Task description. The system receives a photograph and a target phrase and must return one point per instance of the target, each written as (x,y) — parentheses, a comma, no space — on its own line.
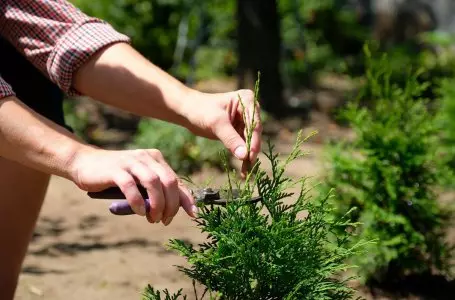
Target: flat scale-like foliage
(281,248)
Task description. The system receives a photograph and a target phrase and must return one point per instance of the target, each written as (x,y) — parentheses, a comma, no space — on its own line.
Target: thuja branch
(250,124)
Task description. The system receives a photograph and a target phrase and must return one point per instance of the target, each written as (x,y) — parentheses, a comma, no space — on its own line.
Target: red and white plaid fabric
(54,36)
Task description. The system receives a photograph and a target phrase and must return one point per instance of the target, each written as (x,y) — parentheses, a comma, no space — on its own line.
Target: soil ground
(81,251)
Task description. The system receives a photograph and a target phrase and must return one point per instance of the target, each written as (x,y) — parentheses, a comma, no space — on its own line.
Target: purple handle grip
(122,208)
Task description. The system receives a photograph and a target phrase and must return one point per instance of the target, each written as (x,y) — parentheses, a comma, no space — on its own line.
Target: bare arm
(119,76)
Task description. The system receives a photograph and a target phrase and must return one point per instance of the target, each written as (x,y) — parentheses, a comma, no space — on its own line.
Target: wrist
(186,106)
(72,158)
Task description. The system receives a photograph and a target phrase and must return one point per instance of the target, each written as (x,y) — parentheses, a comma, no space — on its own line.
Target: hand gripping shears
(205,196)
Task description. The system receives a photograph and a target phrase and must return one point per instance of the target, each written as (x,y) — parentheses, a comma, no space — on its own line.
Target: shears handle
(121,207)
(114,193)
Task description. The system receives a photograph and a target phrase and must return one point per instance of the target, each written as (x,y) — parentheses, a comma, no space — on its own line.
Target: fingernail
(240,152)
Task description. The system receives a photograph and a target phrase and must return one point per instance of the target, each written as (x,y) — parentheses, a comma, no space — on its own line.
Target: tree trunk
(259,49)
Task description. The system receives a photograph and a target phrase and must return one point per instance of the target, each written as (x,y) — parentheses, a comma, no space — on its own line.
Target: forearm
(34,141)
(121,77)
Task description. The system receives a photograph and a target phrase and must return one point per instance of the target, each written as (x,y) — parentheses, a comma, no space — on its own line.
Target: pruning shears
(204,196)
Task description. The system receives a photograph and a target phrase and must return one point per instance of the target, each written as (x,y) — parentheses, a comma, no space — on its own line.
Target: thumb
(232,141)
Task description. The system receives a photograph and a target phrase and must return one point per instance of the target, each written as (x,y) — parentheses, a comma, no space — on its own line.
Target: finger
(169,182)
(151,181)
(246,166)
(128,186)
(187,201)
(231,139)
(171,193)
(233,107)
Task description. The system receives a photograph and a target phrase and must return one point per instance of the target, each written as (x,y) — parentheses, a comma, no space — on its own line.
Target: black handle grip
(115,193)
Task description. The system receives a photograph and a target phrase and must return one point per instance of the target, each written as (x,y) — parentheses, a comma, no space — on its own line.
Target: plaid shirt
(54,36)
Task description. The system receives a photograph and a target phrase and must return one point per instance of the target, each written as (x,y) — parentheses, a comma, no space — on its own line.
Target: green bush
(282,247)
(185,152)
(390,172)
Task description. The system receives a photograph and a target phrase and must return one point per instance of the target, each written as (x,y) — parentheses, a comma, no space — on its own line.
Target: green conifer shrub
(283,247)
(389,172)
(276,249)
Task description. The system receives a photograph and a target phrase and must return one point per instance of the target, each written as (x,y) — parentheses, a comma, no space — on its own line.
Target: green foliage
(184,151)
(433,66)
(389,172)
(283,247)
(151,294)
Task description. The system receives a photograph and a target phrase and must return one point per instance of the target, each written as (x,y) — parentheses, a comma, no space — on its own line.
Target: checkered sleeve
(55,36)
(5,89)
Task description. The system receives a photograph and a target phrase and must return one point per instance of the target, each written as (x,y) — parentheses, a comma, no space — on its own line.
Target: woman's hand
(94,169)
(220,116)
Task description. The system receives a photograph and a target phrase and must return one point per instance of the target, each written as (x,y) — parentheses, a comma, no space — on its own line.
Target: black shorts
(30,85)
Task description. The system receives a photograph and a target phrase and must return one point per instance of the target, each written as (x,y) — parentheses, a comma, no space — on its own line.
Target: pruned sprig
(251,124)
